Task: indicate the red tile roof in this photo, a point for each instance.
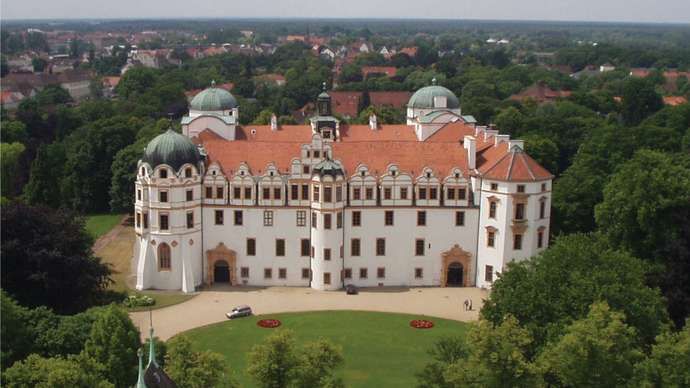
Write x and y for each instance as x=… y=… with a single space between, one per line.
x=346 y=103
x=540 y=93
x=389 y=71
x=394 y=99
x=675 y=100
x=411 y=51
x=511 y=165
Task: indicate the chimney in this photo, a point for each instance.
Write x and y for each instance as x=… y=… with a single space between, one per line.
x=490 y=132
x=274 y=122
x=516 y=143
x=501 y=139
x=373 y=125
x=470 y=144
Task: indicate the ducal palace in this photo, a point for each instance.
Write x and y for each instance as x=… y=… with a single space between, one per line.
x=437 y=201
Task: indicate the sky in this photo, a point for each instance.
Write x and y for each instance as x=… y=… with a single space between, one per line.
x=663 y=11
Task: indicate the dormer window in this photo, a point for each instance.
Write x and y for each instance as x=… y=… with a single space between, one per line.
x=363 y=173
x=393 y=173
x=241 y=173
x=317 y=154
x=143 y=172
x=270 y=173
x=213 y=172
x=188 y=172
x=428 y=175
x=163 y=173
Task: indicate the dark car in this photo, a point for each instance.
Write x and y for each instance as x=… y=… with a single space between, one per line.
x=239 y=311
x=350 y=289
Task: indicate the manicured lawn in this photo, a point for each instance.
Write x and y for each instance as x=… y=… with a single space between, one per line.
x=100 y=224
x=163 y=299
x=380 y=349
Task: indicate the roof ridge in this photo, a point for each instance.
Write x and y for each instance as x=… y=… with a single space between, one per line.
x=510 y=166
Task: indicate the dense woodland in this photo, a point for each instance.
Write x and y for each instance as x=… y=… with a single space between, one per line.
x=611 y=295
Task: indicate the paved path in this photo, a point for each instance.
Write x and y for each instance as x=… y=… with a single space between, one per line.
x=210 y=306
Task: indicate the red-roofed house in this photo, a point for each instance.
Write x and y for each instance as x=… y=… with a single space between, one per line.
x=540 y=93
x=410 y=51
x=346 y=104
x=395 y=99
x=388 y=71
x=675 y=100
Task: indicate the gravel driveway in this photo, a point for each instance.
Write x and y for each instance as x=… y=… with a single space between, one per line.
x=211 y=305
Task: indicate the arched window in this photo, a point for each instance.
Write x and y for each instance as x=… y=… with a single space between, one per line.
x=163 y=173
x=143 y=171
x=164 y=263
x=188 y=172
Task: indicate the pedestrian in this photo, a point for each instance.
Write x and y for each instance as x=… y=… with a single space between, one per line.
x=466 y=303
x=470 y=304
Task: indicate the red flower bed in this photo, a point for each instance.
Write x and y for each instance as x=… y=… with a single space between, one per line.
x=421 y=324
x=269 y=323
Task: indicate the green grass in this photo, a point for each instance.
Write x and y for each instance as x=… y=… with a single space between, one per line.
x=162 y=298
x=380 y=349
x=99 y=224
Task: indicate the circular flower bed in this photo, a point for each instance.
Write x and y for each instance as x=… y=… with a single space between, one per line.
x=421 y=324
x=269 y=323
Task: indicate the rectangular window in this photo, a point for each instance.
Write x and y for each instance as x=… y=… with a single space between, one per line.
x=327 y=254
x=381 y=272
x=542 y=209
x=244 y=272
x=357 y=218
x=369 y=193
x=326 y=278
x=268 y=218
x=380 y=247
x=520 y=188
x=519 y=211
x=305 y=192
x=494 y=186
x=459 y=218
x=190 y=195
x=339 y=220
x=342 y=252
x=139 y=195
x=190 y=220
x=328 y=194
x=354 y=247
x=266 y=193
x=219 y=217
x=339 y=194
x=492 y=209
x=209 y=192
x=363 y=273
x=219 y=192
x=462 y=193
x=237 y=192
x=313 y=253
x=146 y=220
x=280 y=247
x=238 y=217
x=543 y=187
x=388 y=218
x=251 y=247
x=450 y=194
x=433 y=193
x=138 y=220
x=387 y=193
x=517 y=241
x=314 y=220
x=276 y=193
x=316 y=194
x=305 y=169
x=422 y=193
x=163 y=196
x=301 y=217
x=326 y=221
x=268 y=273
x=489 y=273
x=304 y=247
x=294 y=192
x=347 y=273
x=306 y=273
x=403 y=193
x=282 y=273
x=540 y=239
x=418 y=273
x=317 y=154
x=419 y=247
x=164 y=222
x=247 y=193
x=490 y=239
x=421 y=218
x=356 y=193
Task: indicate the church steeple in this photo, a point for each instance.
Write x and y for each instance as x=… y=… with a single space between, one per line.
x=323 y=102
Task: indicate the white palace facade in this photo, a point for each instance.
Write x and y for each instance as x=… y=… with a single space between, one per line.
x=437 y=201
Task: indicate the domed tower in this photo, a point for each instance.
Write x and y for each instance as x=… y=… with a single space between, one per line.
x=327 y=125
x=168 y=214
x=328 y=187
x=215 y=109
x=430 y=99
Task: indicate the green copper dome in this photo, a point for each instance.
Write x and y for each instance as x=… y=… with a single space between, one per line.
x=171 y=148
x=424 y=97
x=328 y=167
x=213 y=99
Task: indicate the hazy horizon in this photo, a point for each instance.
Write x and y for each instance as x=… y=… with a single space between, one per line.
x=635 y=11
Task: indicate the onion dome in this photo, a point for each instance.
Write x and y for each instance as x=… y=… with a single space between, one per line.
x=171 y=148
x=424 y=97
x=328 y=167
x=213 y=99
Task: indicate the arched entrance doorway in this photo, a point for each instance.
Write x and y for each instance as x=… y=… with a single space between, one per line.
x=455 y=277
x=221 y=272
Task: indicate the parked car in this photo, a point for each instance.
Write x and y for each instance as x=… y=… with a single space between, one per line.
x=350 y=289
x=239 y=312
